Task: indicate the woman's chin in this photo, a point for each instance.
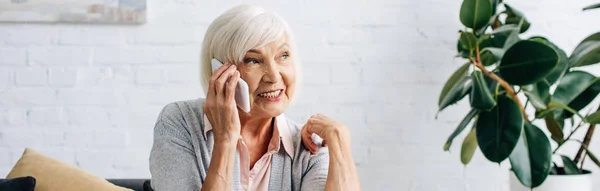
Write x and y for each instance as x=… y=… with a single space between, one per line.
x=270 y=108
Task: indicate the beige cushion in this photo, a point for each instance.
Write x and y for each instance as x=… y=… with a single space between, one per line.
x=51 y=174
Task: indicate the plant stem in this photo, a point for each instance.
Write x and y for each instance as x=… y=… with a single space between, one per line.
x=586 y=141
x=568 y=137
x=504 y=84
x=582 y=160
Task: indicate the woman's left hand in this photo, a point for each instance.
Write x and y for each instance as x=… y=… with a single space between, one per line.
x=326 y=128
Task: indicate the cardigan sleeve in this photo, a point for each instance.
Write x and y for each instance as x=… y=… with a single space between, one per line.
x=173 y=164
x=316 y=174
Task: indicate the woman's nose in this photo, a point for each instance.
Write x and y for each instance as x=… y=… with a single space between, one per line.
x=272 y=74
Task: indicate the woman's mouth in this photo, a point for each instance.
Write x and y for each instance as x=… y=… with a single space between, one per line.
x=271 y=94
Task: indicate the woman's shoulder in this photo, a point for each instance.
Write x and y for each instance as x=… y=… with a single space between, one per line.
x=183 y=107
x=183 y=115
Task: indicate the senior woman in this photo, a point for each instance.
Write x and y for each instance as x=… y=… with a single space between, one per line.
x=211 y=144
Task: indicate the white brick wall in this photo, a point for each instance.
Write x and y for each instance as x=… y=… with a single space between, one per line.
x=89 y=95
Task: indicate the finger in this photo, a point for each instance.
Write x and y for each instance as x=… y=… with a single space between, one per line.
x=215 y=75
x=307 y=139
x=230 y=91
x=222 y=80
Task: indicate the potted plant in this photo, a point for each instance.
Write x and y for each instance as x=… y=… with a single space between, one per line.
x=515 y=85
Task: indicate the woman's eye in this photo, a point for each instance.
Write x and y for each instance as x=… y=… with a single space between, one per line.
x=251 y=61
x=284 y=56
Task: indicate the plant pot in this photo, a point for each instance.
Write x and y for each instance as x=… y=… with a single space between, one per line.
x=579 y=182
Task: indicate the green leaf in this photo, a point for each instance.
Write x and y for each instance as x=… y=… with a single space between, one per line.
x=514 y=16
x=463 y=52
x=468 y=40
x=485 y=41
x=498 y=40
x=576 y=89
x=593 y=118
x=586 y=53
x=555 y=105
x=593 y=37
x=468 y=147
x=457 y=93
x=461 y=126
x=538 y=94
x=491 y=55
x=511 y=39
x=569 y=166
x=527 y=62
x=498 y=130
x=555 y=128
x=563 y=61
x=481 y=97
x=506 y=29
x=594 y=6
x=531 y=159
x=459 y=74
x=475 y=14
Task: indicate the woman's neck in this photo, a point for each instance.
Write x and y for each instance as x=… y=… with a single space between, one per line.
x=256 y=128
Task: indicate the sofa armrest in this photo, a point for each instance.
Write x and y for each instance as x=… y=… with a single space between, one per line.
x=134 y=184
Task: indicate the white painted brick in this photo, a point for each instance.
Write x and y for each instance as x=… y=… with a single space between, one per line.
x=141 y=137
x=164 y=36
x=180 y=54
x=116 y=56
x=5 y=158
x=346 y=35
x=53 y=138
x=316 y=74
x=150 y=75
x=391 y=73
x=327 y=54
x=92 y=160
x=6 y=78
x=97 y=96
x=99 y=138
x=29 y=35
x=62 y=77
x=134 y=118
x=92 y=76
x=21 y=138
x=31 y=76
x=28 y=96
x=83 y=35
x=59 y=56
x=13 y=116
x=12 y=56
x=110 y=77
x=88 y=116
x=123 y=159
x=161 y=96
x=183 y=74
x=46 y=115
x=345 y=74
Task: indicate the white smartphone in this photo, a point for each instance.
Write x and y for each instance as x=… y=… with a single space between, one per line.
x=242 y=97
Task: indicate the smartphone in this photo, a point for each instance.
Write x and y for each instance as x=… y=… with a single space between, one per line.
x=242 y=97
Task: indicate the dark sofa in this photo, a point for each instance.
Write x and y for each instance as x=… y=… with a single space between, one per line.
x=134 y=184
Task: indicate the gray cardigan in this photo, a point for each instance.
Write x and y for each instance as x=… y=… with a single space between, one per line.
x=180 y=154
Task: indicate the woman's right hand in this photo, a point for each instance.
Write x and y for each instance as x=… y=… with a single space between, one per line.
x=220 y=106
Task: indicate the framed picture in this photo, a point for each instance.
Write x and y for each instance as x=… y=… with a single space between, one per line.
x=74 y=11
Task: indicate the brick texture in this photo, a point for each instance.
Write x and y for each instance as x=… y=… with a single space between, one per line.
x=89 y=95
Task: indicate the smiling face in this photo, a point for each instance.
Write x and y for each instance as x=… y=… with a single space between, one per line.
x=270 y=74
